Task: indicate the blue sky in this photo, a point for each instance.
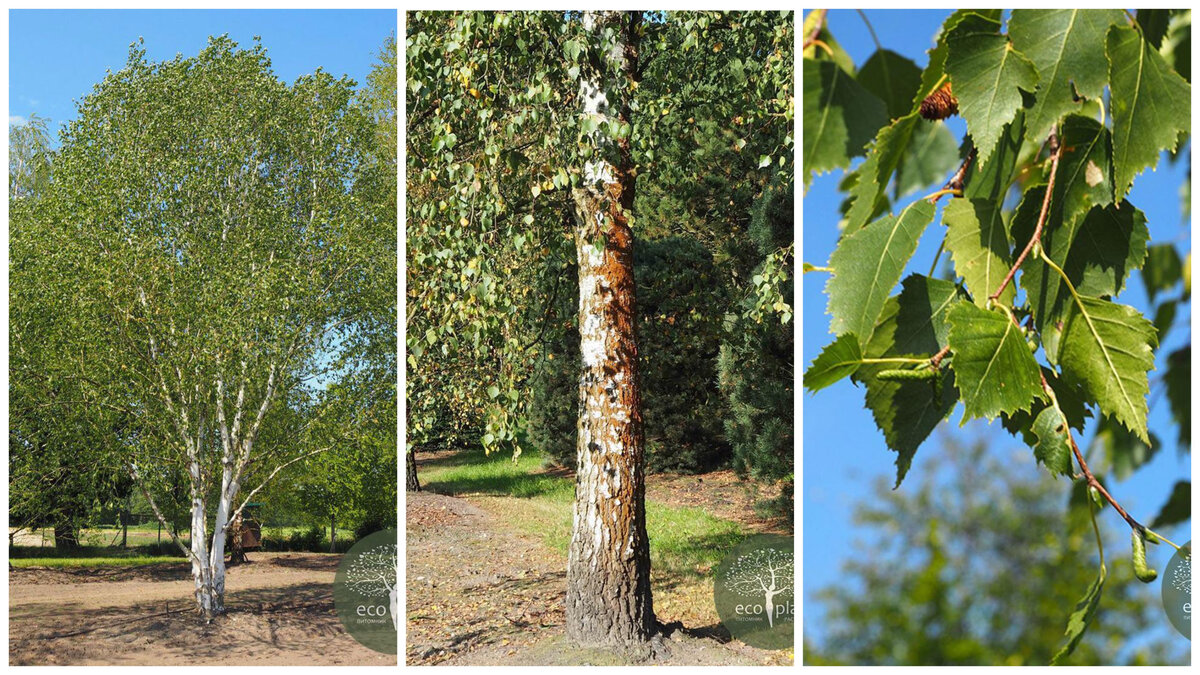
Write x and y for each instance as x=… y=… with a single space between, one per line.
x=56 y=56
x=844 y=453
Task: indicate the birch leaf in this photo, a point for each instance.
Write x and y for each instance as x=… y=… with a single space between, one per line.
x=840 y=117
x=987 y=74
x=978 y=241
x=1053 y=448
x=937 y=56
x=912 y=324
x=931 y=155
x=867 y=264
x=1061 y=44
x=1085 y=172
x=875 y=173
x=1151 y=105
x=1081 y=618
x=838 y=360
x=994 y=367
x=893 y=78
x=1109 y=348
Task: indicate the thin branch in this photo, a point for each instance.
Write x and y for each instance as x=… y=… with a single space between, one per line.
x=1055 y=154
x=812 y=35
x=867 y=21
x=262 y=485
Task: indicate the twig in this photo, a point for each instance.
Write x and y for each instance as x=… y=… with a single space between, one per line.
x=936 y=359
x=1055 y=153
x=812 y=35
x=956 y=181
x=867 y=21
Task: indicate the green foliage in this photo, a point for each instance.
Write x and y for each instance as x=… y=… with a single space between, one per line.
x=1061 y=44
x=977 y=239
x=213 y=256
x=495 y=146
x=849 y=116
x=1149 y=105
x=1029 y=326
x=996 y=373
x=677 y=345
x=988 y=76
x=755 y=365
x=892 y=78
x=867 y=264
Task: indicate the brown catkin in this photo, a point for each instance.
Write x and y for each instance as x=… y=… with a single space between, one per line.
x=940 y=104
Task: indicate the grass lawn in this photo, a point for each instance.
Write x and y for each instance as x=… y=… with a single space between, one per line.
x=126 y=561
x=683 y=541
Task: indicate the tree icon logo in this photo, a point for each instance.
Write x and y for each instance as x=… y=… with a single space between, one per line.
x=1177 y=590
x=365 y=592
x=754 y=592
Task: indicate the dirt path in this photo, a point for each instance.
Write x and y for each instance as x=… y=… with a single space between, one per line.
x=480 y=593
x=280 y=613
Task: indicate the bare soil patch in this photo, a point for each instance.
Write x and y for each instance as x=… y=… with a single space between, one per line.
x=281 y=612
x=481 y=593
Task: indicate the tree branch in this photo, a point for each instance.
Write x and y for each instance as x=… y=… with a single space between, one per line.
x=1055 y=154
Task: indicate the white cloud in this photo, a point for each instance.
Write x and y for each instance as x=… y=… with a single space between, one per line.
x=16 y=120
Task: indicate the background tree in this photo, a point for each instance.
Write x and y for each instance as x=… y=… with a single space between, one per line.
x=976 y=564
x=213 y=249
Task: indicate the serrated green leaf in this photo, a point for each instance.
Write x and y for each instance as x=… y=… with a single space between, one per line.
x=1163 y=269
x=992 y=180
x=993 y=367
x=1154 y=23
x=867 y=264
x=1150 y=103
x=839 y=359
x=1178 y=508
x=1109 y=348
x=1061 y=43
x=931 y=155
x=840 y=118
x=1081 y=618
x=978 y=242
x=893 y=78
x=874 y=174
x=937 y=55
x=1084 y=173
x=1097 y=256
x=1071 y=404
x=988 y=75
x=912 y=324
x=1053 y=448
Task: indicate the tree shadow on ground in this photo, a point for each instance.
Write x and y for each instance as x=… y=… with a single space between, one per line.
x=266 y=621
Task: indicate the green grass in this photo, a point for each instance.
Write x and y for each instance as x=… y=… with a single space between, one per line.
x=683 y=540
x=127 y=561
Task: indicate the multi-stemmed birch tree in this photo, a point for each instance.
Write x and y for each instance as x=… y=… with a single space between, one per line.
x=214 y=245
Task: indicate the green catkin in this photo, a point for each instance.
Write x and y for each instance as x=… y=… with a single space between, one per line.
x=1140 y=569
x=904 y=375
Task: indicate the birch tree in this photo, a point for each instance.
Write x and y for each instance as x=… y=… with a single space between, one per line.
x=210 y=237
x=528 y=135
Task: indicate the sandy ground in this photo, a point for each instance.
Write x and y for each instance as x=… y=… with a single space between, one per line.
x=479 y=593
x=280 y=613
